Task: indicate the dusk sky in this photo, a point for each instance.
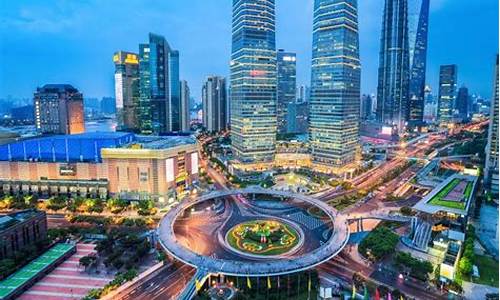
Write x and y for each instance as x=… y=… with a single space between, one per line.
x=72 y=41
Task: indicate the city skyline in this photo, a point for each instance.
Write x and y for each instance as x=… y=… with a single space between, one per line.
x=69 y=44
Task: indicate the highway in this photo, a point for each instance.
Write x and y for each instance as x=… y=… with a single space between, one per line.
x=165 y=285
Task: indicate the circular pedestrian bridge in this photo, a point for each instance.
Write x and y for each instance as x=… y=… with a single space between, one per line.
x=253 y=232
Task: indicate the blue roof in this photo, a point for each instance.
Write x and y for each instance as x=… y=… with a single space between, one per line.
x=85 y=147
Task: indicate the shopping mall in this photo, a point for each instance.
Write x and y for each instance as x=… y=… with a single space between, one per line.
x=100 y=165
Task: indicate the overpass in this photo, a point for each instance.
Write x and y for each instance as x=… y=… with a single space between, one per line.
x=358 y=218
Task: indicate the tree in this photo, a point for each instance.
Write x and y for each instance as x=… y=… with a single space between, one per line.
x=405 y=210
x=465 y=266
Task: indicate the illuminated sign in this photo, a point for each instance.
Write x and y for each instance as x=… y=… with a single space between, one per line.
x=169 y=170
x=257 y=73
x=67 y=170
x=289 y=58
x=387 y=130
x=194 y=163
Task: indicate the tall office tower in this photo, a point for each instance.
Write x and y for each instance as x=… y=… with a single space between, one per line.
x=447 y=92
x=159 y=101
x=287 y=86
x=492 y=165
x=394 y=65
x=418 y=24
x=58 y=109
x=335 y=85
x=298 y=115
x=303 y=93
x=253 y=81
x=214 y=99
x=462 y=103
x=366 y=107
x=430 y=108
x=126 y=89
x=185 y=104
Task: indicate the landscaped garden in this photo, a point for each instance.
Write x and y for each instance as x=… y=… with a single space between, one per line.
x=378 y=243
x=263 y=237
x=439 y=198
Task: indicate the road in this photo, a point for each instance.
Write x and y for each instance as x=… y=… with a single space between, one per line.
x=165 y=285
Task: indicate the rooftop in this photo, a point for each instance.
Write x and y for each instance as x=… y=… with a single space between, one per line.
x=9 y=220
x=161 y=142
x=452 y=196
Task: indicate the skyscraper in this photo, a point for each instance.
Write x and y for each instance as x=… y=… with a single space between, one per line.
x=418 y=24
x=447 y=92
x=58 y=109
x=394 y=65
x=159 y=102
x=335 y=85
x=366 y=107
x=492 y=165
x=287 y=86
x=462 y=103
x=126 y=89
x=214 y=99
x=185 y=107
x=253 y=81
x=297 y=118
x=303 y=93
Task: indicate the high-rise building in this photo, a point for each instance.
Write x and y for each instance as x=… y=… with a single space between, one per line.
x=253 y=81
x=58 y=109
x=335 y=85
x=418 y=24
x=298 y=116
x=126 y=89
x=303 y=93
x=185 y=106
x=492 y=166
x=462 y=103
x=214 y=99
x=159 y=101
x=287 y=86
x=430 y=108
x=366 y=107
x=447 y=92
x=394 y=65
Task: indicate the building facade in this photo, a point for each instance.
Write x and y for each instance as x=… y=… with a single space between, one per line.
x=58 y=109
x=335 y=85
x=126 y=89
x=185 y=101
x=418 y=25
x=253 y=82
x=492 y=166
x=394 y=65
x=366 y=107
x=447 y=93
x=214 y=102
x=100 y=165
x=287 y=86
x=462 y=103
x=21 y=229
x=298 y=117
x=159 y=100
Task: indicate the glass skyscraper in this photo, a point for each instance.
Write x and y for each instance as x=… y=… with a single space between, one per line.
x=159 y=101
x=418 y=24
x=462 y=103
x=492 y=164
x=394 y=65
x=214 y=99
x=335 y=84
x=447 y=92
x=126 y=89
x=287 y=86
x=253 y=81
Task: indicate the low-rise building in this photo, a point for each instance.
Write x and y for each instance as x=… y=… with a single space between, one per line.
x=21 y=229
x=100 y=165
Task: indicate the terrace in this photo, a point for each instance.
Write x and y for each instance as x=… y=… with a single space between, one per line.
x=452 y=196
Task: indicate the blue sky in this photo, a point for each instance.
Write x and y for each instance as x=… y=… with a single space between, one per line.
x=72 y=41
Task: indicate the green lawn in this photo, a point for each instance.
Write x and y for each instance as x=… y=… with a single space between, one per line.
x=438 y=198
x=488 y=270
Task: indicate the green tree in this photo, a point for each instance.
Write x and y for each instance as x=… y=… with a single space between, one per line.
x=465 y=266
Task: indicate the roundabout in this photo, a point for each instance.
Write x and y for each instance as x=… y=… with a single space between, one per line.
x=252 y=232
x=263 y=238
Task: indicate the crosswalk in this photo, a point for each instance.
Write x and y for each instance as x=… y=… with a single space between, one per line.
x=310 y=222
